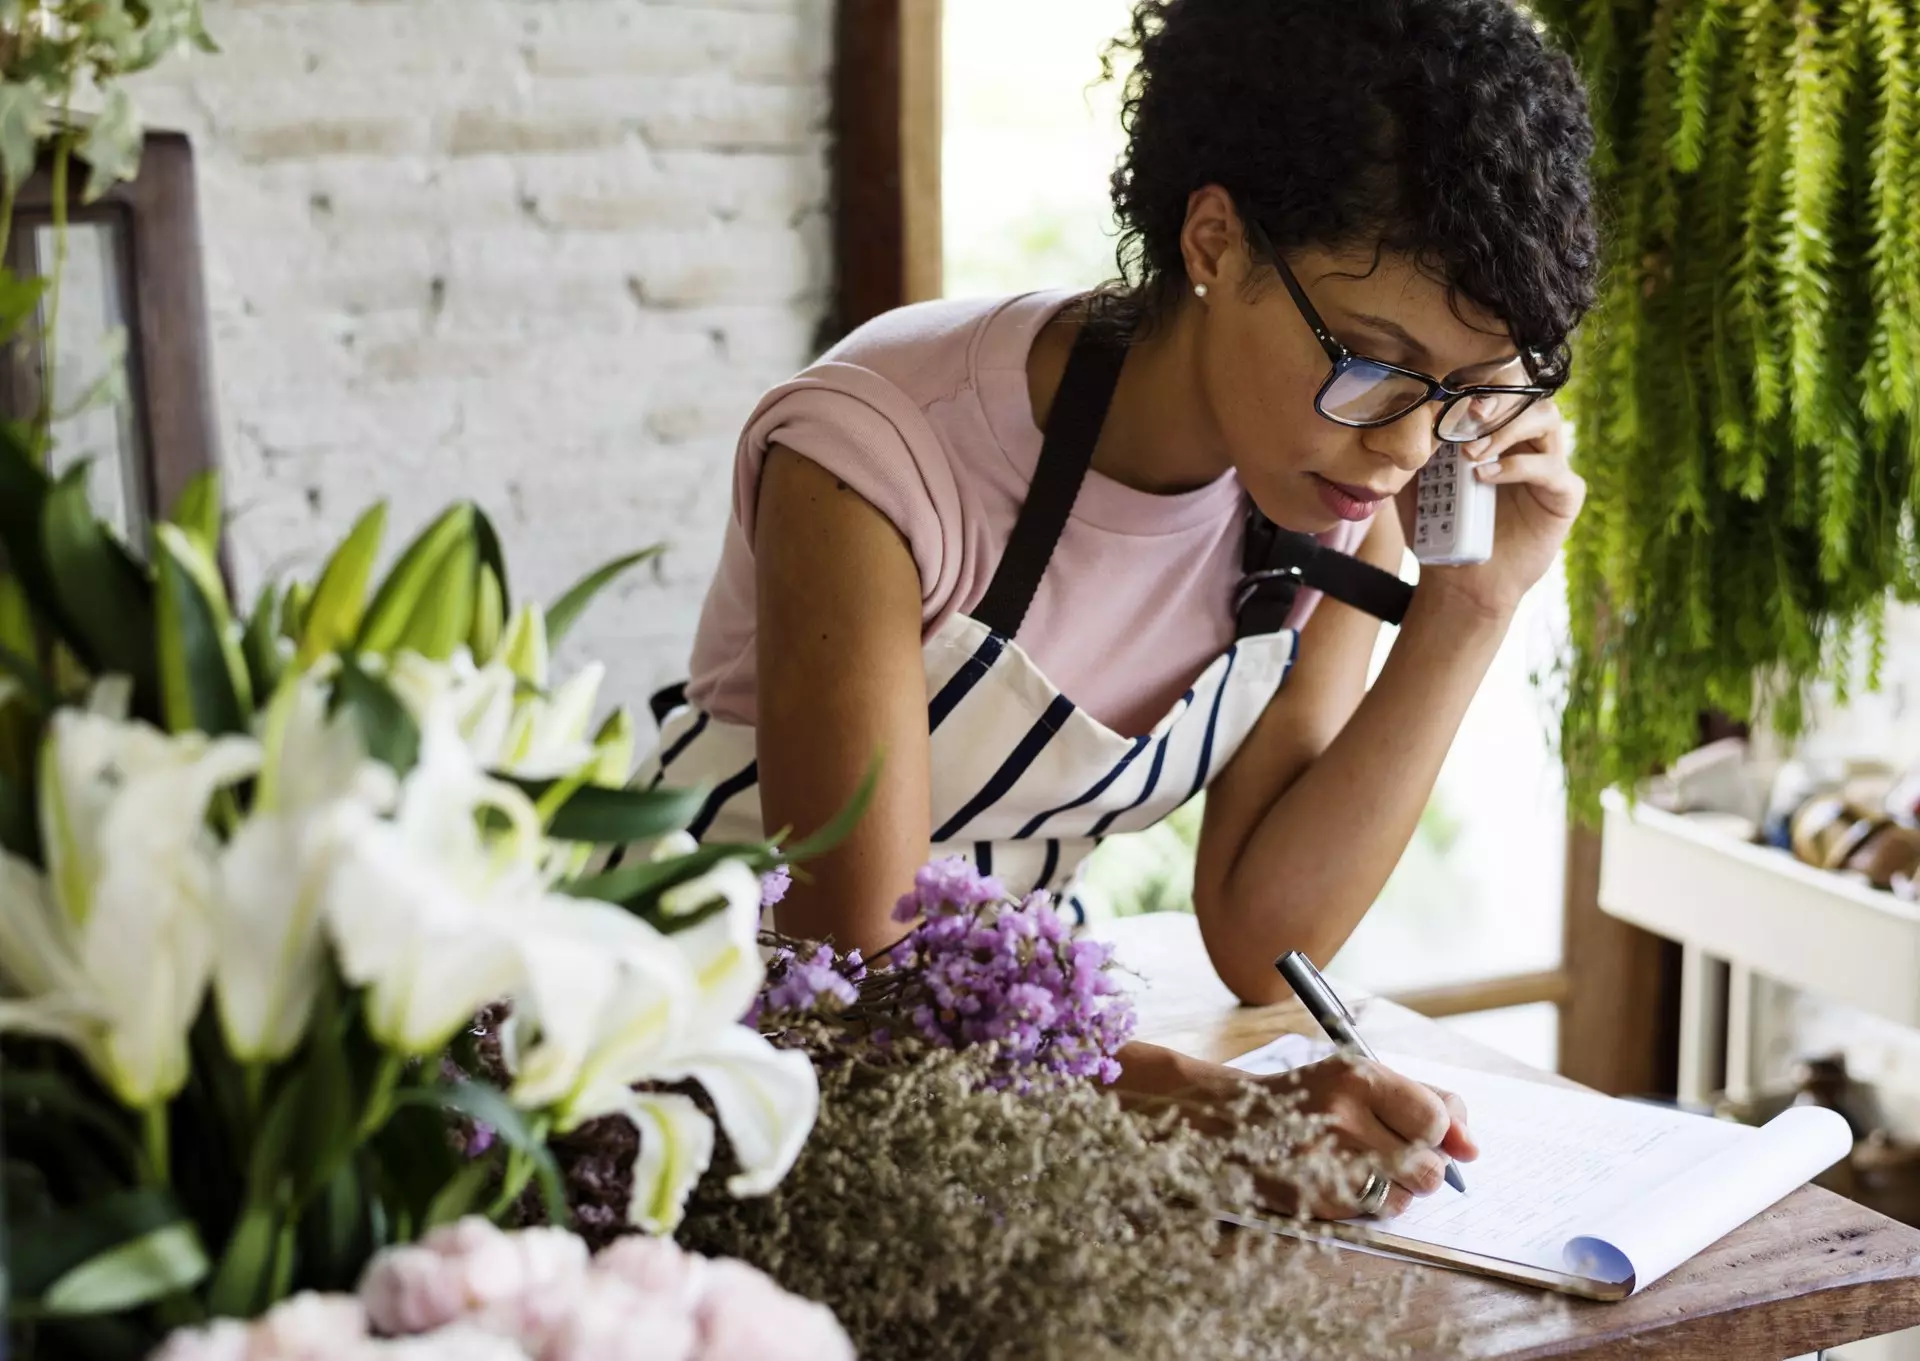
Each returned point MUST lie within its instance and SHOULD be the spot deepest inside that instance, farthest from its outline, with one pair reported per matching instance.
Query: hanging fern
(1745, 397)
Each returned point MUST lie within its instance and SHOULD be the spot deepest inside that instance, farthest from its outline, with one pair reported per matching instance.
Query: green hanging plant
(1745, 396)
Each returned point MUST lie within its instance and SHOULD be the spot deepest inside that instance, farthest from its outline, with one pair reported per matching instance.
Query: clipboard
(1392, 1245)
(1578, 1193)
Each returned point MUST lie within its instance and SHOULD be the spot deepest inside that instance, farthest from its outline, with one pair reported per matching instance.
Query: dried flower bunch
(942, 1217)
(972, 1190)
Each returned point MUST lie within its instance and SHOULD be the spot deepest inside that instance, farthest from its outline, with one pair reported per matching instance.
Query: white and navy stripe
(1025, 783)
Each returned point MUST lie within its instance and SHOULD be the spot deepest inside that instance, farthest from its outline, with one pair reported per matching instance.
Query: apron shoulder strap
(1278, 562)
(1073, 427)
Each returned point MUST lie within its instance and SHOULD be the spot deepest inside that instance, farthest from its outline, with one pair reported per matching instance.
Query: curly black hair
(1448, 130)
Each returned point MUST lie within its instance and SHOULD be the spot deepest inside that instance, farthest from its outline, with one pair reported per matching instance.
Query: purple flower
(774, 885)
(1009, 975)
(949, 883)
(797, 986)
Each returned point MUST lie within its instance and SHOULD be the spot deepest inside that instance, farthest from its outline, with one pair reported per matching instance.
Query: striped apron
(1025, 783)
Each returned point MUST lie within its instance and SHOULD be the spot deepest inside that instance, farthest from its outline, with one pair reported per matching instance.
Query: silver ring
(1373, 1196)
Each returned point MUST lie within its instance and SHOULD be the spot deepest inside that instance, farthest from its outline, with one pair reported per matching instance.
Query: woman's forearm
(1319, 856)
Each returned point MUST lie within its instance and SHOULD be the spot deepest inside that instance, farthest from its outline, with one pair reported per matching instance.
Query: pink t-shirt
(925, 413)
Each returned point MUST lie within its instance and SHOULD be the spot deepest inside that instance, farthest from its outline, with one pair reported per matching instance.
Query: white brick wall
(542, 253)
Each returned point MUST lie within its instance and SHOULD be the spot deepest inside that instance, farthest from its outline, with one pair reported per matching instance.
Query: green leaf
(18, 836)
(239, 1287)
(159, 1263)
(563, 613)
(23, 671)
(24, 489)
(444, 618)
(402, 593)
(104, 593)
(489, 618)
(635, 885)
(391, 735)
(203, 679)
(336, 1233)
(23, 122)
(491, 555)
(260, 644)
(323, 1137)
(197, 512)
(43, 1249)
(48, 1095)
(340, 598)
(616, 816)
(461, 1195)
(19, 301)
(490, 1107)
(16, 616)
(413, 1159)
(293, 608)
(111, 147)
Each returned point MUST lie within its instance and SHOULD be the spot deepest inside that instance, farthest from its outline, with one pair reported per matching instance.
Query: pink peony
(611, 1321)
(308, 1327)
(655, 1266)
(744, 1316)
(519, 1285)
(469, 1292)
(461, 1342)
(221, 1341)
(741, 1313)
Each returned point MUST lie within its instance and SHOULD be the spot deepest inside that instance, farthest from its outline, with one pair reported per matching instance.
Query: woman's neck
(1157, 437)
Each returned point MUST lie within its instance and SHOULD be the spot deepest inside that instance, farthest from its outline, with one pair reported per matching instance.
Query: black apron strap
(665, 700)
(1278, 562)
(1073, 427)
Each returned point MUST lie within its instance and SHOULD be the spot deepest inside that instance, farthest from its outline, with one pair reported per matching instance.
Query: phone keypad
(1438, 491)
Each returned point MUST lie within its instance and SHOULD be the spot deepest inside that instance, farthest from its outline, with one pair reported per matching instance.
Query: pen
(1319, 998)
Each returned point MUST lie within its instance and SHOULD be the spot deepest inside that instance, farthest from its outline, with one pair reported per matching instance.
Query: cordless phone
(1453, 515)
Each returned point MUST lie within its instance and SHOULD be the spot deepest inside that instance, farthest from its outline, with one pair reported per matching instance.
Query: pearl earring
(1199, 290)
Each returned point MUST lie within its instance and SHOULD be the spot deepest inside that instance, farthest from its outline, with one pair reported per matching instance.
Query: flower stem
(253, 1083)
(380, 1100)
(519, 1172)
(153, 1122)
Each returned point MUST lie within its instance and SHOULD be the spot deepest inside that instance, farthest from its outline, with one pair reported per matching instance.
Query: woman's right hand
(1376, 1118)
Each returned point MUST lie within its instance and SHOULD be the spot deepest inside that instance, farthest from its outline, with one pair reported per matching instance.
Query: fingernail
(1486, 472)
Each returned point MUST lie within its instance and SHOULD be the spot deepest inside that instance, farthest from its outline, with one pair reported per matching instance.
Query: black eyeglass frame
(1344, 359)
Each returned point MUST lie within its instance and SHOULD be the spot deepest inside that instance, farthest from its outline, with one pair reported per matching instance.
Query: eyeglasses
(1365, 393)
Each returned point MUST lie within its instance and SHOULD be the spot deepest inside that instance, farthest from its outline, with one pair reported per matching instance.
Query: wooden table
(1814, 1271)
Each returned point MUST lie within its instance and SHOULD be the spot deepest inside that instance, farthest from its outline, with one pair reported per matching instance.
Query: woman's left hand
(1540, 495)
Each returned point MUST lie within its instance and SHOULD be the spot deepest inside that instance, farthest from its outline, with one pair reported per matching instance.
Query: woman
(1336, 216)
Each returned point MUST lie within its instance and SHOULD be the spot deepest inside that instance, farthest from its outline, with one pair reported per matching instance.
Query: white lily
(270, 949)
(667, 1014)
(509, 721)
(604, 992)
(424, 909)
(110, 950)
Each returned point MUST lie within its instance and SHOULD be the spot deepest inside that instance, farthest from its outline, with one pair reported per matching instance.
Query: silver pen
(1324, 1004)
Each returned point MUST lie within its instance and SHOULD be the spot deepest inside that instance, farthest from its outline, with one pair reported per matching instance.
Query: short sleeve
(870, 435)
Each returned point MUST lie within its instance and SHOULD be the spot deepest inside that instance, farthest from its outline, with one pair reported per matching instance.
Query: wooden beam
(921, 128)
(886, 158)
(1488, 994)
(1620, 1021)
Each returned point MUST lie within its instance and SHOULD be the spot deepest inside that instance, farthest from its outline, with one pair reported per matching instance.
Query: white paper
(1610, 1190)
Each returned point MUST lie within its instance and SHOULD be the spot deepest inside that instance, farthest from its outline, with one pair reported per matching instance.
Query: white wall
(1886, 726)
(541, 253)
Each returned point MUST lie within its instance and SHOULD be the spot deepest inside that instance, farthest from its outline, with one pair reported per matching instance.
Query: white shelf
(1760, 908)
